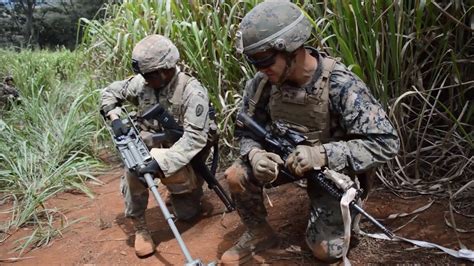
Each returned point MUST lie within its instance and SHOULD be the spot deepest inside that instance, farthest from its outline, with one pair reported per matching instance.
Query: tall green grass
(418, 59)
(46, 143)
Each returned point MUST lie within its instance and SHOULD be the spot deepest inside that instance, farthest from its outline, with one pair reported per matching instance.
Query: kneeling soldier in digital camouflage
(313, 94)
(159, 80)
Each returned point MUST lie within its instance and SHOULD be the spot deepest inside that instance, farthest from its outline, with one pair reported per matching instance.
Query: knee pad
(235, 176)
(325, 234)
(328, 251)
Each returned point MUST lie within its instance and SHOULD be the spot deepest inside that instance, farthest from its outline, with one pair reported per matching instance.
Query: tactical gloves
(305, 158)
(152, 167)
(264, 165)
(147, 138)
(119, 128)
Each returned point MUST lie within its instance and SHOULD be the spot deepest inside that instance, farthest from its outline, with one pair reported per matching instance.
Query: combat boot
(143, 242)
(252, 241)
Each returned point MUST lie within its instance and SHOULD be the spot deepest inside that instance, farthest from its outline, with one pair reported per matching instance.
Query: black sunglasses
(262, 62)
(136, 67)
(152, 75)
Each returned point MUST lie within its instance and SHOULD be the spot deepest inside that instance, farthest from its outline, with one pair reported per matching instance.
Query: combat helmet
(8, 79)
(278, 25)
(152, 53)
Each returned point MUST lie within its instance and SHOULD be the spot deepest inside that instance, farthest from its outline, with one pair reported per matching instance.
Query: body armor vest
(174, 105)
(305, 110)
(149, 97)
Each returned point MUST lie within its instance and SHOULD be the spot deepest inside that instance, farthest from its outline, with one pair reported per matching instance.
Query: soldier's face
(154, 79)
(159, 79)
(271, 63)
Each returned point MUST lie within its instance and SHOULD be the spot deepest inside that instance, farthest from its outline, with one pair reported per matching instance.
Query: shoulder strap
(182, 81)
(253, 102)
(328, 64)
(127, 81)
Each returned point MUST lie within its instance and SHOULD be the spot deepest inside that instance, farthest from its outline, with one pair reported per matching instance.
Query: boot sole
(144, 254)
(259, 248)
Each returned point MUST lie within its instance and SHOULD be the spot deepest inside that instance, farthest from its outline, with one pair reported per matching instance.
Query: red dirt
(104, 236)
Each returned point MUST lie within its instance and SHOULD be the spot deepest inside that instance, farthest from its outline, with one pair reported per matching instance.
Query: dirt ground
(101, 234)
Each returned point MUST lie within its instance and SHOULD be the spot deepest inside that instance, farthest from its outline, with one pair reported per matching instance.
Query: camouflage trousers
(182, 183)
(325, 229)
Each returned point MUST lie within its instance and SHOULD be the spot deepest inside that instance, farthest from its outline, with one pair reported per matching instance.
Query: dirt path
(101, 234)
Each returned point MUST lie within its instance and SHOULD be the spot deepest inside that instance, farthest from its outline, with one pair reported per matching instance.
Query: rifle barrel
(372, 219)
(199, 166)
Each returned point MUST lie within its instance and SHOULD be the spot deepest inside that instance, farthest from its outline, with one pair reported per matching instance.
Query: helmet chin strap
(289, 60)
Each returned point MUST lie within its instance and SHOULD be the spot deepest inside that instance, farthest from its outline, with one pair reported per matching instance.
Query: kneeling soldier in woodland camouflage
(159, 80)
(313, 94)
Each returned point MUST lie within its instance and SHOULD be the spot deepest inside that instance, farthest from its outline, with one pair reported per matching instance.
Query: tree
(58, 24)
(27, 7)
(47, 23)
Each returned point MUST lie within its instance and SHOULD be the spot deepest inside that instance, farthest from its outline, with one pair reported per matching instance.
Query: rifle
(282, 141)
(173, 132)
(135, 156)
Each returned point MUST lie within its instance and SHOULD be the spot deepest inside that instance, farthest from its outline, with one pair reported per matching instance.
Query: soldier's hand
(264, 165)
(147, 138)
(119, 128)
(305, 158)
(152, 167)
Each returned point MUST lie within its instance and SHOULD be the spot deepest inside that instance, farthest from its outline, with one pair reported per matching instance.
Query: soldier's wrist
(106, 109)
(322, 155)
(253, 152)
(113, 117)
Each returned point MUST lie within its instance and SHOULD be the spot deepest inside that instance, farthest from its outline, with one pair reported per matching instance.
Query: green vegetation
(416, 56)
(46, 143)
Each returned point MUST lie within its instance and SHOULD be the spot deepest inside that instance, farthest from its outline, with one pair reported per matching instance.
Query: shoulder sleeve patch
(196, 106)
(199, 109)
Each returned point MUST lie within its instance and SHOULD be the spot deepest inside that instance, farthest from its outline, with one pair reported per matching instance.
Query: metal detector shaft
(169, 219)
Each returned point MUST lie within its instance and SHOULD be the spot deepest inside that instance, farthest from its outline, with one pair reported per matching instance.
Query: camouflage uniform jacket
(191, 111)
(368, 138)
